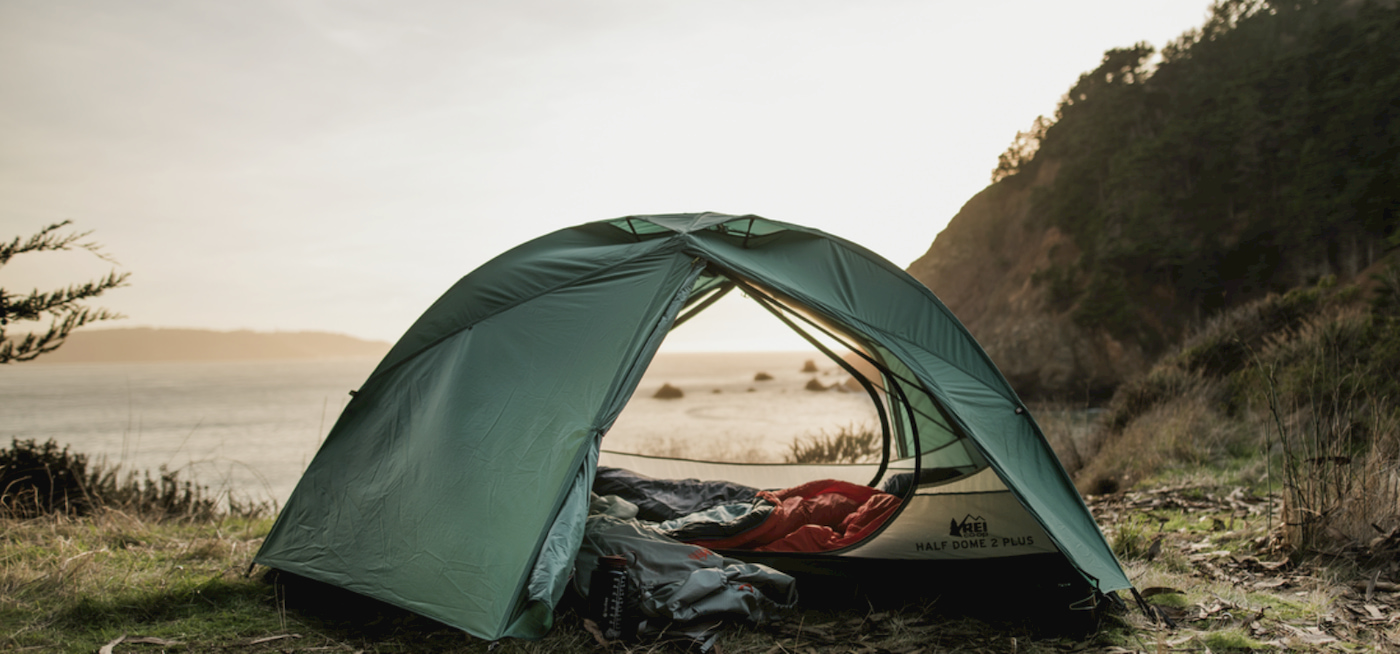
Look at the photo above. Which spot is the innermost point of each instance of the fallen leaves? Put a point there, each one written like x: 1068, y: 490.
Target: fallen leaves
x: 1223, y: 540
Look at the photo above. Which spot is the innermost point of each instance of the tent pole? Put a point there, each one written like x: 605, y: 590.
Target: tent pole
x: 885, y: 370
x: 868, y: 359
x: 914, y: 433
x: 865, y: 383
x: 714, y: 297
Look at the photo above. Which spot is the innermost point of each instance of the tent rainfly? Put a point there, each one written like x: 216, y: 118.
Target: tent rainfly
x: 456, y: 482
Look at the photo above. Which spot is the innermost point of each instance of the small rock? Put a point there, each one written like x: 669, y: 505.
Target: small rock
x: 668, y: 392
x: 815, y: 385
x: 762, y: 376
x: 809, y: 366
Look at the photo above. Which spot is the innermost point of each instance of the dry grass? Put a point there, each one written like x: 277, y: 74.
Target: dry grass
x: 848, y: 444
x: 1333, y: 427
x: 1070, y: 430
x: 1338, y: 469
x: 74, y: 584
x: 1294, y: 393
x: 851, y: 443
x: 1188, y: 431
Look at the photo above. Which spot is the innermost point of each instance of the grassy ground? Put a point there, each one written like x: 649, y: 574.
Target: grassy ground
x: 1204, y: 556
x: 74, y: 584
x: 1250, y: 484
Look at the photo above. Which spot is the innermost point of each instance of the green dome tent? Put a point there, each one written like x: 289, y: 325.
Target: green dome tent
x: 455, y: 483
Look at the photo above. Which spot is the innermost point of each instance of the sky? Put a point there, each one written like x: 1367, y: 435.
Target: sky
x: 335, y: 165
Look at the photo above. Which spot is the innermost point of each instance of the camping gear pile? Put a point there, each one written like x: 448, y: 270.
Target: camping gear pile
x: 818, y: 516
x: 458, y: 480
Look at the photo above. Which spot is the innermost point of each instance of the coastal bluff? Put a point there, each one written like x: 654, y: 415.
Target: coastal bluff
x: 982, y: 266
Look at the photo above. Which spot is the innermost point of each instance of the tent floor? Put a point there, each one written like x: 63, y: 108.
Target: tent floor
x: 995, y: 602
x: 1040, y: 589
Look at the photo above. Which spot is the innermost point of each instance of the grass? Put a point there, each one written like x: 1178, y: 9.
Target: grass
x: 1068, y: 427
x: 1294, y: 393
x: 75, y: 583
x: 848, y: 444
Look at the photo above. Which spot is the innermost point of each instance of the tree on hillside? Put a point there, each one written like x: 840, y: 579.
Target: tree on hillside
x: 1022, y: 150
x: 1259, y: 153
x: 63, y: 306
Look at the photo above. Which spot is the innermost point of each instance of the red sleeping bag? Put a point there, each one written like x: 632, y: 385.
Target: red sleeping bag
x: 817, y: 516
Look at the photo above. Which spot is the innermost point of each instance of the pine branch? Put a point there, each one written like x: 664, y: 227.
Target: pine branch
x: 59, y: 302
x: 64, y: 304
x: 33, y: 344
x: 48, y: 240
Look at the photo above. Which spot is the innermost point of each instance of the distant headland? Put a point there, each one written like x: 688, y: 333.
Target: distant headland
x: 161, y: 344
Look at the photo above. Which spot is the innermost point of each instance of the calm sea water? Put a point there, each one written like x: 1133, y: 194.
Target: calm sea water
x: 251, y: 427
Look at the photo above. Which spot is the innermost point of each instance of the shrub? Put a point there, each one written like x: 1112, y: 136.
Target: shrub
x: 1385, y: 298
x: 1070, y: 430
x: 1339, y: 449
x: 1060, y: 285
x: 1216, y: 374
x: 1225, y: 343
x: 40, y: 479
x: 1162, y: 384
x: 1309, y: 376
x: 1105, y: 304
x: 850, y: 444
x: 1185, y: 431
x: 1132, y: 539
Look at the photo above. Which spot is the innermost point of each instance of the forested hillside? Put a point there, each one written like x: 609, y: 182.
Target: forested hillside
x: 1255, y: 154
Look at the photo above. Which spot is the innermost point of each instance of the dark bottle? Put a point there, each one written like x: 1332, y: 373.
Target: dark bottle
x: 608, y: 591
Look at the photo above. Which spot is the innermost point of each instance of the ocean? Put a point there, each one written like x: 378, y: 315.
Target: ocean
x: 251, y: 427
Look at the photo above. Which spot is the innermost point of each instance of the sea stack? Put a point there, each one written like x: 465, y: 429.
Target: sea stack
x: 668, y: 392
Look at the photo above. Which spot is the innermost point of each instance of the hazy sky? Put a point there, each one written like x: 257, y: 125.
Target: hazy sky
x: 336, y: 165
